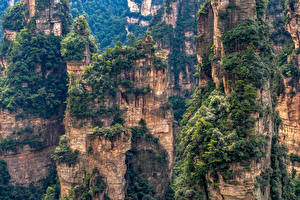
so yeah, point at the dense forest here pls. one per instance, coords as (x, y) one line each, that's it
(107, 19)
(201, 103)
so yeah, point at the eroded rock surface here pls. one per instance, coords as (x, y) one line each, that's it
(109, 155)
(289, 101)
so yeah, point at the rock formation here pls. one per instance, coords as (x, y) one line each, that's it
(146, 9)
(174, 28)
(109, 154)
(289, 101)
(25, 159)
(28, 140)
(215, 18)
(119, 124)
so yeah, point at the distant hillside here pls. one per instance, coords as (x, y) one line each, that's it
(110, 20)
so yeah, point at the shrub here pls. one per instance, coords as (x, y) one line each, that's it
(14, 17)
(64, 154)
(109, 132)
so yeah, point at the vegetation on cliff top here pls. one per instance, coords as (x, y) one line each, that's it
(64, 154)
(35, 79)
(74, 45)
(218, 129)
(14, 17)
(108, 19)
(102, 78)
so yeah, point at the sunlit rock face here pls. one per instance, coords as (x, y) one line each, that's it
(289, 101)
(23, 161)
(29, 162)
(141, 12)
(109, 155)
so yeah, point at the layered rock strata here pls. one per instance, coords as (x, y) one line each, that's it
(289, 101)
(109, 155)
(211, 28)
(33, 138)
(23, 161)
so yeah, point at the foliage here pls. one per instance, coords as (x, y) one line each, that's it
(64, 15)
(290, 4)
(294, 158)
(64, 154)
(214, 131)
(296, 182)
(12, 145)
(279, 34)
(91, 185)
(73, 46)
(106, 18)
(218, 130)
(102, 76)
(109, 132)
(35, 80)
(140, 161)
(14, 17)
(204, 8)
(139, 131)
(42, 4)
(241, 36)
(138, 187)
(280, 178)
(241, 66)
(179, 106)
(286, 67)
(261, 6)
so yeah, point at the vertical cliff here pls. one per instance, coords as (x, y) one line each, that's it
(289, 100)
(141, 13)
(275, 15)
(229, 141)
(32, 88)
(117, 113)
(174, 28)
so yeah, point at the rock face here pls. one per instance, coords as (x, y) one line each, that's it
(109, 155)
(293, 26)
(211, 27)
(33, 138)
(23, 161)
(289, 101)
(171, 17)
(176, 20)
(10, 35)
(274, 16)
(142, 12)
(47, 19)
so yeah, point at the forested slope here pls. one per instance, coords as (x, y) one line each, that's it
(205, 105)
